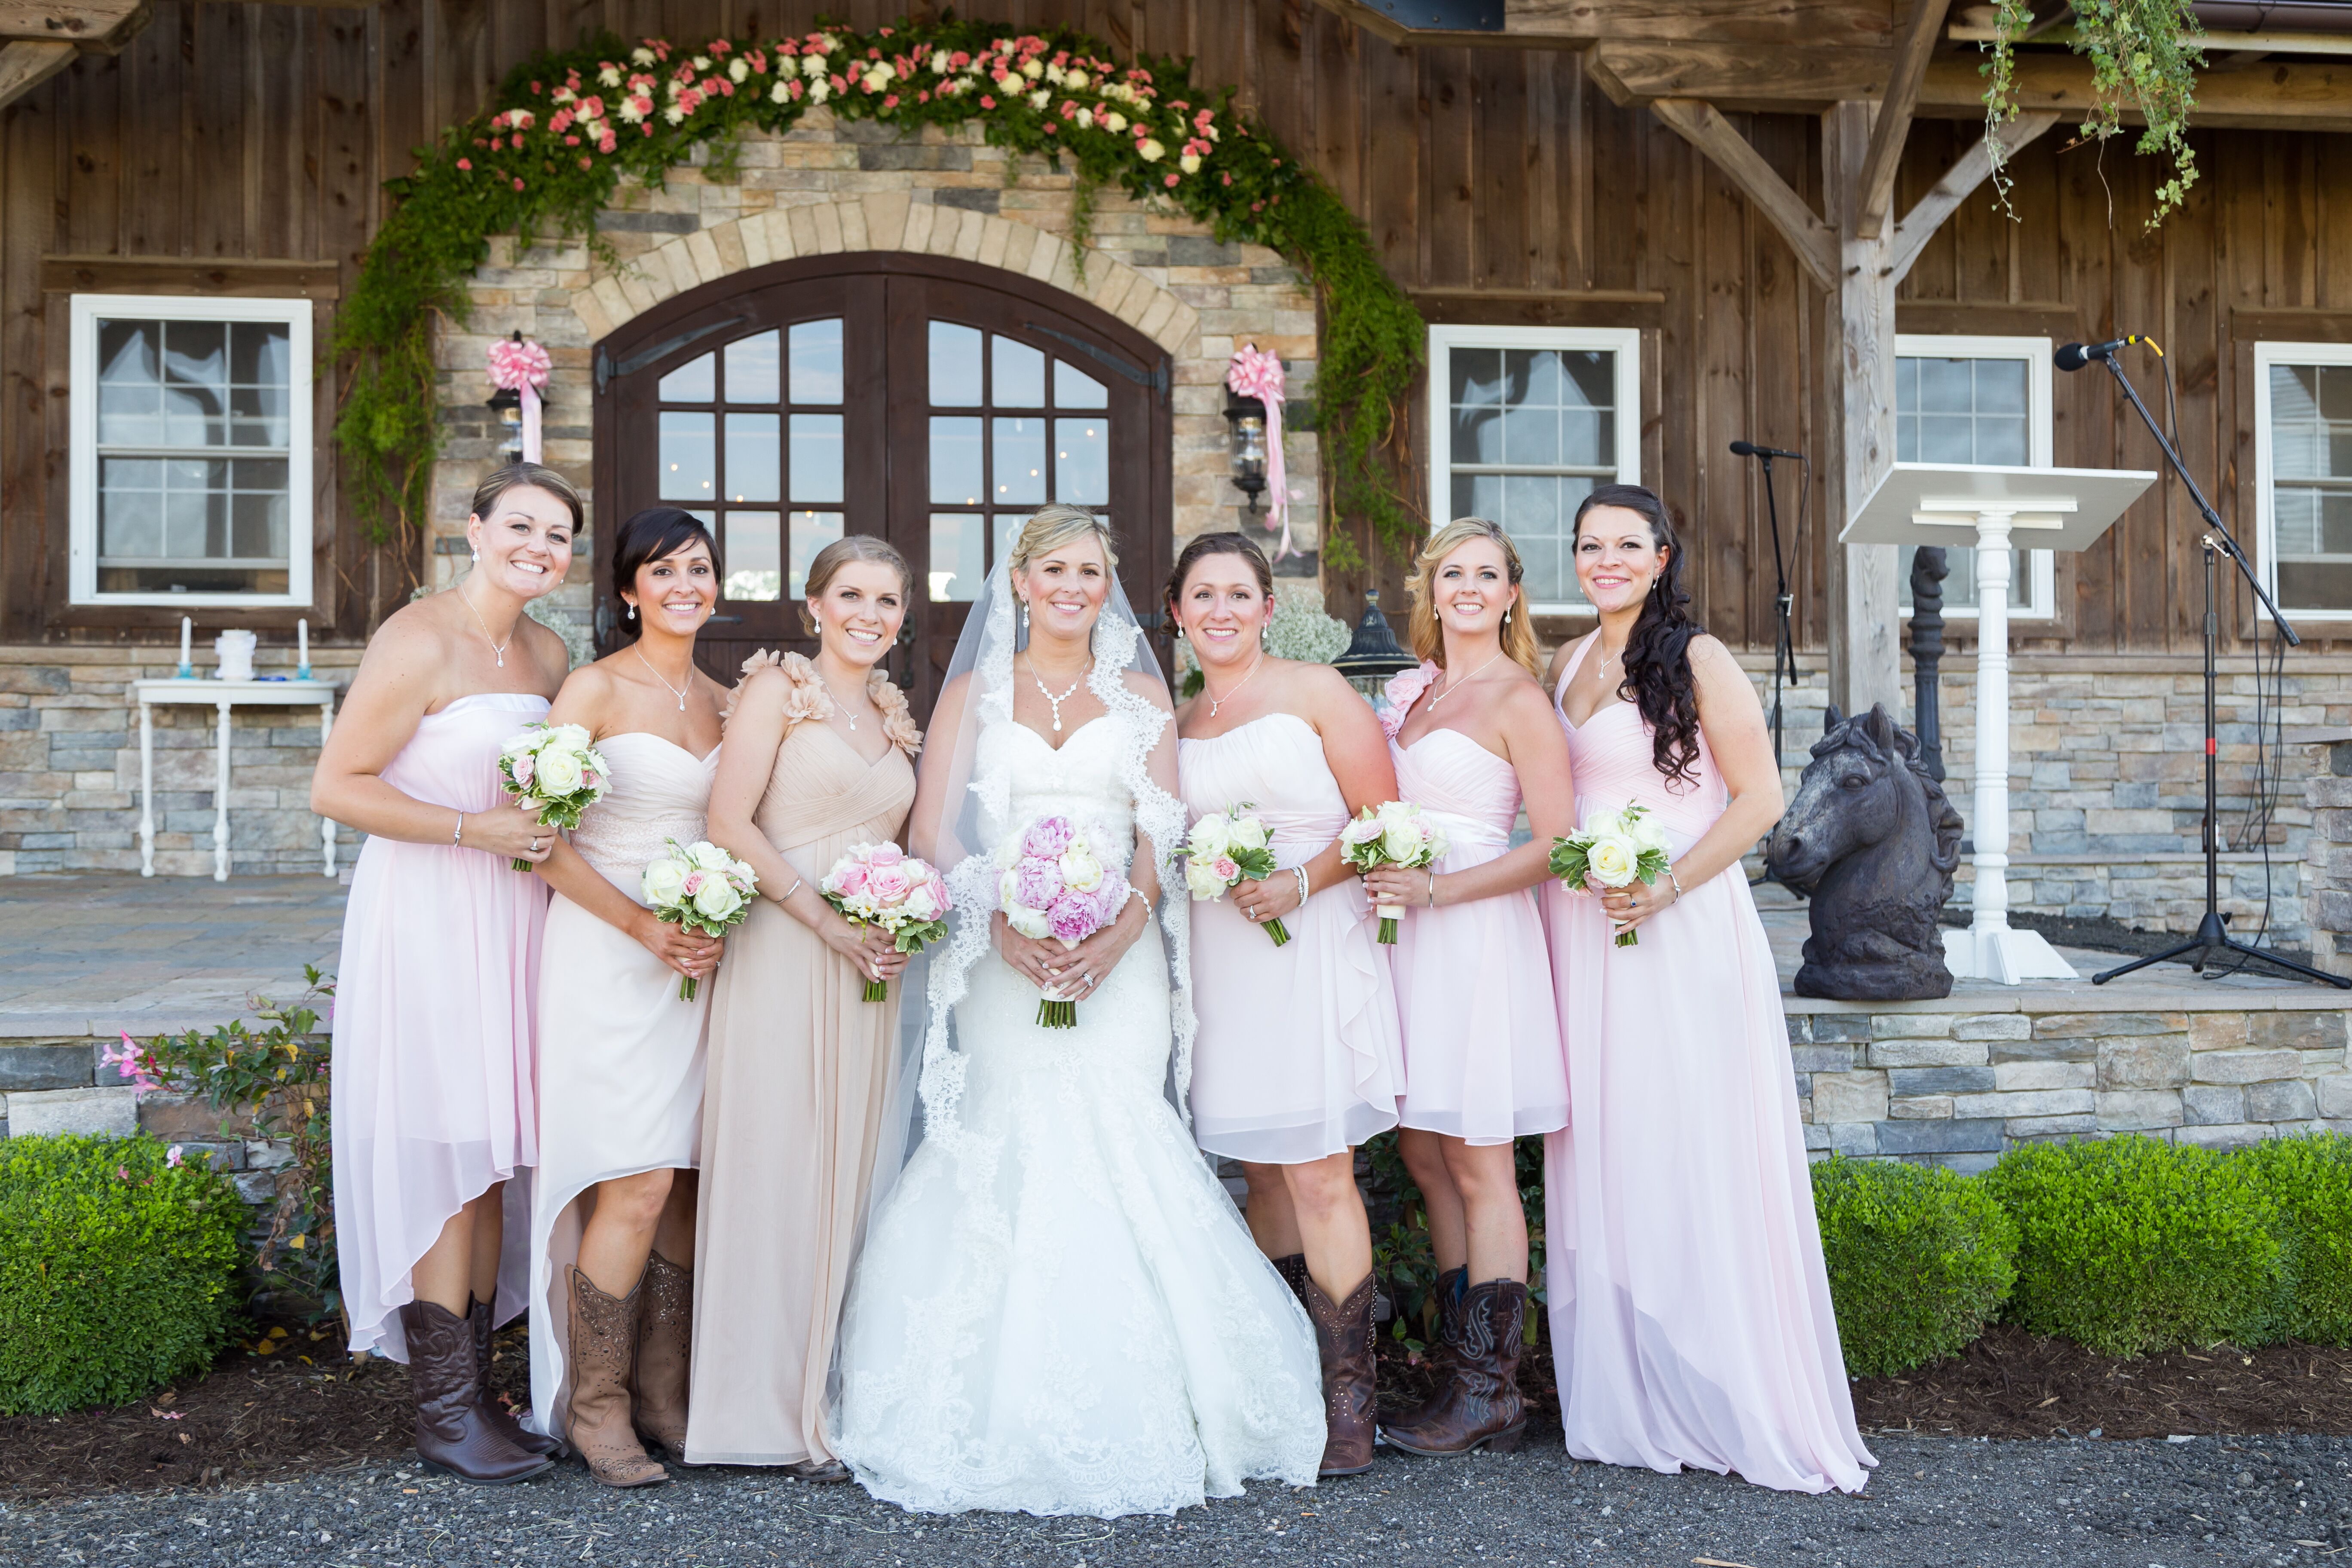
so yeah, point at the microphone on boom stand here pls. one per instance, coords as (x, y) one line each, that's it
(2211, 936)
(1784, 649)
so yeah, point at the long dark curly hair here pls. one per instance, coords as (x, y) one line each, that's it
(1658, 678)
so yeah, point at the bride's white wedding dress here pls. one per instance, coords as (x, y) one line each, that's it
(1058, 1309)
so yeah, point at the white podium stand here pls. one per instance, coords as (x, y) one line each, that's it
(2001, 510)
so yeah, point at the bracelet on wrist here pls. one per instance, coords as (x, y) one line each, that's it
(1300, 872)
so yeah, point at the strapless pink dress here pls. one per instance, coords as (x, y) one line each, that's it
(1691, 1321)
(1482, 1057)
(433, 1095)
(1297, 1056)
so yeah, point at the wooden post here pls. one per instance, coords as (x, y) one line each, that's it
(1866, 660)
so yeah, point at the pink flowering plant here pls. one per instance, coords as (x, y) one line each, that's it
(553, 774)
(1227, 848)
(700, 886)
(882, 884)
(1055, 881)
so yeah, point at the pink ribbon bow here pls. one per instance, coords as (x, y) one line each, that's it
(518, 364)
(1255, 374)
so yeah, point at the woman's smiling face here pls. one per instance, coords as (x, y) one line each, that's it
(525, 543)
(1616, 558)
(1472, 588)
(1066, 588)
(859, 614)
(1221, 609)
(677, 592)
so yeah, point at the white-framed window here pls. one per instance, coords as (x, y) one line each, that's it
(1977, 400)
(190, 469)
(2302, 476)
(1525, 421)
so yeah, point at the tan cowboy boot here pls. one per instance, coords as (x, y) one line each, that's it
(603, 1348)
(664, 1331)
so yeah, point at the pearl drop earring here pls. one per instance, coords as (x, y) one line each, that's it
(632, 614)
(477, 557)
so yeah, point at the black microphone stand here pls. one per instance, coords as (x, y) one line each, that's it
(2211, 936)
(1784, 647)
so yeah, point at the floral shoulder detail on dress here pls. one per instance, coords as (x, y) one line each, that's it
(1403, 689)
(805, 697)
(897, 721)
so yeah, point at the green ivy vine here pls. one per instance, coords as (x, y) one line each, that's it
(2144, 55)
(567, 127)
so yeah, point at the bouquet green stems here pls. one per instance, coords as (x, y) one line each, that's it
(1392, 834)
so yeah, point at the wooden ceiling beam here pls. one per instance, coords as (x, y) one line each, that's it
(1884, 159)
(1782, 78)
(2302, 95)
(1577, 24)
(93, 24)
(27, 63)
(1945, 196)
(1699, 124)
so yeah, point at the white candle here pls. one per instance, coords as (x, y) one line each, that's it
(302, 644)
(186, 626)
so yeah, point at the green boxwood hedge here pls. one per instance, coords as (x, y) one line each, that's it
(117, 1270)
(2308, 1180)
(1919, 1260)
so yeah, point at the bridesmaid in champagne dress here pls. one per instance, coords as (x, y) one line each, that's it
(1690, 1312)
(437, 983)
(1296, 1060)
(801, 1082)
(620, 1052)
(1482, 1052)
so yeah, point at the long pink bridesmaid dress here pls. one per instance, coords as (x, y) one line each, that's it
(1690, 1312)
(1482, 1057)
(433, 1093)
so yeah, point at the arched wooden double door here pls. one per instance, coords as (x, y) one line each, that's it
(934, 402)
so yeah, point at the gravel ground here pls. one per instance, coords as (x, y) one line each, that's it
(1935, 1500)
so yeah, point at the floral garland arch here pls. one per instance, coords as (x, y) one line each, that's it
(567, 126)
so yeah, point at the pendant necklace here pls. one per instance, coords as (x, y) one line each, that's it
(1216, 702)
(839, 705)
(1458, 685)
(657, 674)
(496, 648)
(1049, 697)
(1601, 670)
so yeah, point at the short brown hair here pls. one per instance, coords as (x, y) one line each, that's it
(1227, 543)
(528, 476)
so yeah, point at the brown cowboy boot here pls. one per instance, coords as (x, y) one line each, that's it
(1293, 1269)
(478, 1320)
(1481, 1404)
(664, 1331)
(1343, 1343)
(454, 1434)
(603, 1348)
(1441, 1358)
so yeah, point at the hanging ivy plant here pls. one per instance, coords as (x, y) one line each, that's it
(568, 127)
(2144, 55)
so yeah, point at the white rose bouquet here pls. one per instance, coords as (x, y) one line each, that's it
(1055, 882)
(1612, 848)
(700, 886)
(1226, 847)
(1392, 834)
(881, 884)
(554, 773)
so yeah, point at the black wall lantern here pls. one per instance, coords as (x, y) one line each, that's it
(1247, 418)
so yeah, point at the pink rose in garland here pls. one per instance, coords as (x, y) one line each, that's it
(1056, 884)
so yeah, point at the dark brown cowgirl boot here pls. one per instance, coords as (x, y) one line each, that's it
(1441, 1359)
(1343, 1343)
(478, 1320)
(454, 1434)
(1293, 1269)
(664, 1331)
(1481, 1404)
(603, 1348)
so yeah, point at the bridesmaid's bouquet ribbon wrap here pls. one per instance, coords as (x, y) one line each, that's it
(700, 886)
(1225, 849)
(1393, 833)
(882, 884)
(519, 365)
(1615, 848)
(1055, 881)
(553, 774)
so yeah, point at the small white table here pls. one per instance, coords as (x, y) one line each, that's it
(223, 696)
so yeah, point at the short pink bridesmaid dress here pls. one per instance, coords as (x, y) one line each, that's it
(1296, 1056)
(1691, 1321)
(1482, 1055)
(433, 1095)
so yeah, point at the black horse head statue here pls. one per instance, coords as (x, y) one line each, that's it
(1873, 842)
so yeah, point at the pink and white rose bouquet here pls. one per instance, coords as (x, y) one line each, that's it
(1225, 849)
(1392, 834)
(700, 886)
(1056, 882)
(554, 773)
(882, 884)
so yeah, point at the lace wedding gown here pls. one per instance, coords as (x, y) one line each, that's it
(1059, 1310)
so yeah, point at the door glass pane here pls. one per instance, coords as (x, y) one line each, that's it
(1020, 375)
(752, 373)
(689, 462)
(1018, 450)
(957, 571)
(955, 462)
(812, 531)
(751, 457)
(754, 556)
(816, 361)
(1005, 528)
(1082, 461)
(693, 382)
(1074, 388)
(816, 457)
(955, 365)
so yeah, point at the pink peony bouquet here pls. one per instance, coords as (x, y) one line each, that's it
(1057, 883)
(553, 774)
(882, 884)
(700, 886)
(1225, 847)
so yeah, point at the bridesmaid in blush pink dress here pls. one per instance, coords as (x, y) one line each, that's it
(1472, 734)
(432, 1100)
(1690, 1312)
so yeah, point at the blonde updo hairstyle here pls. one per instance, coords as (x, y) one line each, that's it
(849, 547)
(1051, 527)
(1519, 629)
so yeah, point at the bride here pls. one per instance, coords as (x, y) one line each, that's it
(1058, 1309)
